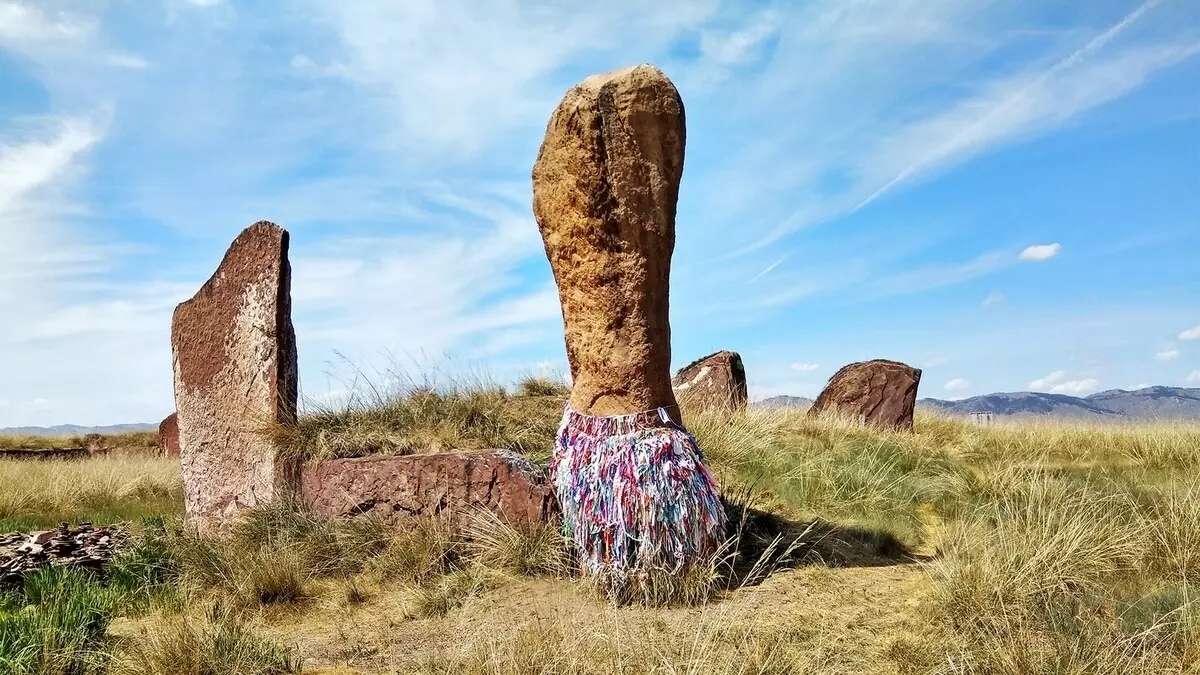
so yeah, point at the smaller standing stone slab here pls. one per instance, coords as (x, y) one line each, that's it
(716, 382)
(399, 489)
(235, 376)
(168, 436)
(877, 393)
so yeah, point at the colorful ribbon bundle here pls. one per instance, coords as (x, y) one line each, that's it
(635, 494)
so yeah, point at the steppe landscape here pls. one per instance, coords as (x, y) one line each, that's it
(716, 439)
(1034, 548)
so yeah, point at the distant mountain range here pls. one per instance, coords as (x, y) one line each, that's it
(1150, 403)
(76, 430)
(784, 402)
(1165, 403)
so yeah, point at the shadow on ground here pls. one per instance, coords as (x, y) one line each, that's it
(765, 543)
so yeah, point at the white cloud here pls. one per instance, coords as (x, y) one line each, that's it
(90, 348)
(1056, 383)
(1047, 381)
(957, 384)
(1040, 252)
(22, 24)
(205, 3)
(1076, 387)
(805, 367)
(1167, 355)
(1143, 385)
(993, 298)
(731, 48)
(935, 362)
(1193, 376)
(453, 76)
(1190, 334)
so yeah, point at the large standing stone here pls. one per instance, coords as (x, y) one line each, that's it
(605, 187)
(716, 382)
(878, 393)
(443, 485)
(235, 376)
(168, 436)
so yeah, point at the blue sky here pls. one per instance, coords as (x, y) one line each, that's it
(1004, 193)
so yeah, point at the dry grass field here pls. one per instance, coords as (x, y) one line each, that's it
(1015, 549)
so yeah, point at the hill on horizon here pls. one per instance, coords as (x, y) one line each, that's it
(1149, 403)
(76, 430)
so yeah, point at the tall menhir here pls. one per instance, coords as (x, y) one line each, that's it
(234, 351)
(635, 493)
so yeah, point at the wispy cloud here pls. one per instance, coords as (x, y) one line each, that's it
(1167, 355)
(1193, 376)
(767, 270)
(805, 367)
(452, 76)
(77, 325)
(993, 298)
(957, 384)
(877, 155)
(936, 276)
(1027, 102)
(1190, 334)
(1040, 252)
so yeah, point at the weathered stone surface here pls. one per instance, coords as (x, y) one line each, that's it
(716, 382)
(442, 485)
(878, 393)
(605, 187)
(235, 375)
(168, 436)
(82, 546)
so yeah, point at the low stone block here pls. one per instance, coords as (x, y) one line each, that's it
(398, 489)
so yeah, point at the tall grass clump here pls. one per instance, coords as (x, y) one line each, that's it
(430, 416)
(1053, 577)
(220, 642)
(274, 552)
(522, 549)
(55, 623)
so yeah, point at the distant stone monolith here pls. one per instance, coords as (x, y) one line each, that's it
(168, 436)
(876, 393)
(716, 382)
(235, 376)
